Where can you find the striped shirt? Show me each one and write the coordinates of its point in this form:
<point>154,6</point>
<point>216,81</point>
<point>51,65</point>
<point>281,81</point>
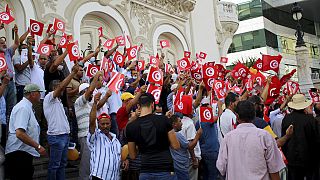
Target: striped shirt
<point>105,155</point>
<point>82,110</point>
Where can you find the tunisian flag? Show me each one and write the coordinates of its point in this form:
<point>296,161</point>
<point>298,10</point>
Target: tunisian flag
<point>258,64</point>
<point>314,96</point>
<point>119,59</point>
<point>271,63</point>
<point>206,114</point>
<point>155,91</point>
<point>73,51</point>
<point>36,27</point>
<point>132,52</point>
<point>3,63</point>
<point>183,64</point>
<point>155,76</point>
<point>116,82</point>
<point>58,25</point>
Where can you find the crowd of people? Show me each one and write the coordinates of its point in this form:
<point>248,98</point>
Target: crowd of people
<point>133,134</point>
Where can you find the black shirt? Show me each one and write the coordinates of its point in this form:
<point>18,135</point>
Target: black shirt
<point>302,149</point>
<point>150,134</point>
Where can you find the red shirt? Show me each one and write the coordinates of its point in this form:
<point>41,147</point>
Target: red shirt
<point>122,118</point>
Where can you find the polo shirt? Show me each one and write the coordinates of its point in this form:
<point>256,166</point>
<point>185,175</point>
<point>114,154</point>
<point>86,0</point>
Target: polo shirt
<point>114,102</point>
<point>22,77</point>
<point>105,155</point>
<point>82,110</point>
<point>55,114</point>
<point>22,117</point>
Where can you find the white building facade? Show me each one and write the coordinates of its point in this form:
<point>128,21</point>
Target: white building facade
<point>189,25</point>
<point>267,27</point>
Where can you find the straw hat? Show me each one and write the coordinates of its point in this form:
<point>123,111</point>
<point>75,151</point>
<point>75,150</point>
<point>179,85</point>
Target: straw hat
<point>299,102</point>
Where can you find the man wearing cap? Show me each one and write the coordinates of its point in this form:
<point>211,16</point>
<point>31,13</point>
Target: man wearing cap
<point>128,102</point>
<point>82,108</point>
<point>23,138</point>
<point>173,89</point>
<point>104,146</point>
<point>302,149</point>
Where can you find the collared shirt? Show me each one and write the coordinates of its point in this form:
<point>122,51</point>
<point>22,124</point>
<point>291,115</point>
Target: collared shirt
<point>114,102</point>
<point>188,130</point>
<point>82,110</point>
<point>22,77</point>
<point>22,117</point>
<point>37,77</point>
<point>8,55</point>
<point>276,118</point>
<point>249,153</point>
<point>55,115</point>
<point>105,155</point>
<point>226,123</point>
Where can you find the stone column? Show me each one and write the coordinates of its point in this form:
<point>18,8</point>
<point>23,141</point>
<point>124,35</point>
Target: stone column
<point>303,69</point>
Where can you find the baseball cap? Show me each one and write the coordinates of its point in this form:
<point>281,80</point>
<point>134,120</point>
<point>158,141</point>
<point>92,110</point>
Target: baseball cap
<point>103,115</point>
<point>32,88</point>
<point>205,100</point>
<point>125,96</point>
<point>83,86</point>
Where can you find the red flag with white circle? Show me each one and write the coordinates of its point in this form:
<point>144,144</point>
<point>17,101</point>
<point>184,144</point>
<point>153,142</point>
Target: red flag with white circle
<point>223,60</point>
<point>44,49</point>
<point>3,63</point>
<point>237,90</point>
<point>164,44</point>
<point>109,43</point>
<point>187,54</point>
<point>58,25</point>
<point>271,63</point>
<point>140,65</point>
<point>206,114</point>
<point>219,88</point>
<point>73,51</point>
<point>116,82</point>
<point>100,34</point>
<point>132,52</point>
<point>209,82</point>
<point>208,70</point>
<point>155,61</point>
<point>155,76</point>
<point>36,27</point>
<point>121,41</point>
<point>92,70</point>
<point>155,91</point>
<point>314,96</point>
<point>6,18</point>
<point>119,59</point>
<point>196,75</point>
<point>258,64</point>
<point>63,41</point>
<point>183,64</point>
<point>240,71</point>
<point>203,55</point>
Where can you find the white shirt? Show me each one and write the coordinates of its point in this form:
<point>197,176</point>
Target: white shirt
<point>105,107</point>
<point>56,117</point>
<point>37,77</point>
<point>114,102</point>
<point>188,130</point>
<point>105,155</point>
<point>226,123</point>
<point>276,118</point>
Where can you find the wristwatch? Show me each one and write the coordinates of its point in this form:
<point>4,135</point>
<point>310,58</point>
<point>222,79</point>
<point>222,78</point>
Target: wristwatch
<point>39,147</point>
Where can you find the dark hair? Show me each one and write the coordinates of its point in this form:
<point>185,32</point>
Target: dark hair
<point>246,111</point>
<point>146,100</point>
<point>231,97</point>
<point>53,84</point>
<point>174,119</point>
<point>316,109</point>
<point>20,46</point>
<point>255,99</point>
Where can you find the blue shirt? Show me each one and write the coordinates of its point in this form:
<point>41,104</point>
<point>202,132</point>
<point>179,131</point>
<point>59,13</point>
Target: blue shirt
<point>181,156</point>
<point>22,117</point>
<point>3,110</point>
<point>209,139</point>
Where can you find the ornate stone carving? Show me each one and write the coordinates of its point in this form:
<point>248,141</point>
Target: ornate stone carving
<point>179,8</point>
<point>142,15</point>
<point>51,4</point>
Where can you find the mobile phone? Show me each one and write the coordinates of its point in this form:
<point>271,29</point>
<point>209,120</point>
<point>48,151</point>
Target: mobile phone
<point>12,33</point>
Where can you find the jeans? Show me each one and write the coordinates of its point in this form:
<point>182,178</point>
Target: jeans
<point>114,125</point>
<point>19,92</point>
<point>58,156</point>
<point>210,171</point>
<point>11,98</point>
<point>157,176</point>
<point>181,175</point>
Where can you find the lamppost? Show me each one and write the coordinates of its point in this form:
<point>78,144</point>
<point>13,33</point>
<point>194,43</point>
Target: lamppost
<point>297,15</point>
<point>302,53</point>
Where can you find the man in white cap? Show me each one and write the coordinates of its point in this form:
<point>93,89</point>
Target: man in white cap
<point>173,89</point>
<point>23,138</point>
<point>302,149</point>
<point>82,108</point>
